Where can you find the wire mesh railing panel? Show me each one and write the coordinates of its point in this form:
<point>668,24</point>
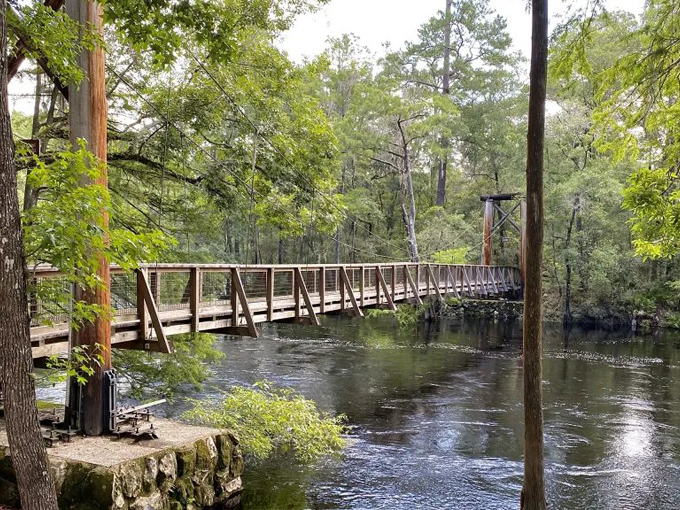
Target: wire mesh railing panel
<point>332,280</point>
<point>174,291</point>
<point>311,279</point>
<point>370,278</point>
<point>400,276</point>
<point>49,301</point>
<point>124,293</point>
<point>283,283</point>
<point>215,288</point>
<point>354,277</point>
<point>254,283</point>
<point>387,274</point>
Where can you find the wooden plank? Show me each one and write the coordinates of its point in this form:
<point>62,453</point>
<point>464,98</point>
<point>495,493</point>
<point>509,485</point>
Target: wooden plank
<point>430,274</point>
<point>302,287</point>
<point>237,284</point>
<point>447,280</point>
<point>195,297</point>
<point>383,284</point>
<point>414,288</point>
<point>352,297</point>
<point>270,294</point>
<point>404,274</point>
<point>164,345</point>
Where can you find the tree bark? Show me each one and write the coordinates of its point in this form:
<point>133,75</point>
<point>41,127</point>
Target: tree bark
<point>446,90</point>
<point>409,211</point>
<point>31,194</point>
<point>533,492</point>
<point>87,116</point>
<point>566,318</point>
<point>29,459</point>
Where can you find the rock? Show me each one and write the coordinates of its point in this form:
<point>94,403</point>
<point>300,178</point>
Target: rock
<point>224,451</point>
<point>99,487</point>
<point>132,479</point>
<point>167,471</point>
<point>59,469</point>
<point>186,461</point>
<point>155,501</point>
<point>204,495</point>
<point>237,463</point>
<point>150,474</point>
<point>225,486</point>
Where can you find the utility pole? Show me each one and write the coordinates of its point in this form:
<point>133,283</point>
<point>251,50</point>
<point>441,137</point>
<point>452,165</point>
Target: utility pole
<point>87,117</point>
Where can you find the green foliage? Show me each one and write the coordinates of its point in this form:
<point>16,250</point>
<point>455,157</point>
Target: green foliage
<point>54,36</point>
<point>452,256</point>
<point>270,420</point>
<point>67,229</point>
<point>405,314</point>
<point>80,365</point>
<point>150,374</point>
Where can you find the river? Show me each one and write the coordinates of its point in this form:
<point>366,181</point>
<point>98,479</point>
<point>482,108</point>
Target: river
<point>437,415</point>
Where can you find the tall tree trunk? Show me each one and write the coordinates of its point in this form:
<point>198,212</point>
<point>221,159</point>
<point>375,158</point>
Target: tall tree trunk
<point>31,194</point>
<point>29,459</point>
<point>533,492</point>
<point>446,90</point>
<point>87,119</point>
<point>408,196</point>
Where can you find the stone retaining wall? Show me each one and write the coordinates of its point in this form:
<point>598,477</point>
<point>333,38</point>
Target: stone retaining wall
<point>194,475</point>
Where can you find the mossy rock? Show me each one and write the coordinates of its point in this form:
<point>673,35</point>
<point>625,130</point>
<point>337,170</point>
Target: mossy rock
<point>186,461</point>
<point>225,449</point>
<point>206,454</point>
<point>182,492</point>
<point>237,464</point>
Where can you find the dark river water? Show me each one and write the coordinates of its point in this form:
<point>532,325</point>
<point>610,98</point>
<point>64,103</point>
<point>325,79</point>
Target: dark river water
<point>438,415</point>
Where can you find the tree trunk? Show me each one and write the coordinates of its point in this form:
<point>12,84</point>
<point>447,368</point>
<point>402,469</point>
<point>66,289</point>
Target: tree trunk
<point>533,492</point>
<point>31,194</point>
<point>87,119</point>
<point>446,90</point>
<point>409,211</point>
<point>566,318</point>
<point>29,459</point>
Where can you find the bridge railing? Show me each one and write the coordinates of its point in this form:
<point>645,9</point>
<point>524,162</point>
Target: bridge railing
<point>157,301</point>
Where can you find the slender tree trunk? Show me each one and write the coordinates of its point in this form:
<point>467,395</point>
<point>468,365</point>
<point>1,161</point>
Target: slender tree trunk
<point>29,459</point>
<point>533,492</point>
<point>31,194</point>
<point>566,318</point>
<point>408,196</point>
<point>446,90</point>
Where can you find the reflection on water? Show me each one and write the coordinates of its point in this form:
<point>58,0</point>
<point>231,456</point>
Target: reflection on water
<point>438,415</point>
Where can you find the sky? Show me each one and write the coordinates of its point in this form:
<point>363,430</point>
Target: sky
<point>395,21</point>
<point>378,21</point>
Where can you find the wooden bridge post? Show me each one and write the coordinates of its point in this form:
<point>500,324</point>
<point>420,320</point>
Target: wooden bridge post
<point>353,300</point>
<point>488,225</point>
<point>362,286</point>
<point>382,283</point>
<point>418,279</point>
<point>394,282</point>
<point>322,290</point>
<point>270,294</point>
<point>296,295</point>
<point>302,289</point>
<point>377,285</point>
<point>195,298</point>
<point>341,283</point>
<point>235,315</point>
<point>405,282</point>
<point>522,240</point>
<point>447,280</point>
<point>430,274</point>
<point>142,312</point>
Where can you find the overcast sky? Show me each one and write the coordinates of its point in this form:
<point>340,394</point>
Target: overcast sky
<point>395,21</point>
<point>376,22</point>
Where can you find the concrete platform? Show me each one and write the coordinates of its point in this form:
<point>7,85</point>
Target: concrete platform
<point>187,467</point>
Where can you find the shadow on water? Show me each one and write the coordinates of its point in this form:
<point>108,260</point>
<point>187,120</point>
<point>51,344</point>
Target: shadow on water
<point>438,415</point>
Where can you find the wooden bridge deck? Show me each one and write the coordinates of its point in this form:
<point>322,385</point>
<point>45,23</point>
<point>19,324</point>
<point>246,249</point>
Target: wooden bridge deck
<point>158,301</point>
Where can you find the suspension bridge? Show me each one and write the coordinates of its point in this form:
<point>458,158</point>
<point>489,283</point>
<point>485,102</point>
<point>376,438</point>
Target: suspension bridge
<point>155,302</point>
